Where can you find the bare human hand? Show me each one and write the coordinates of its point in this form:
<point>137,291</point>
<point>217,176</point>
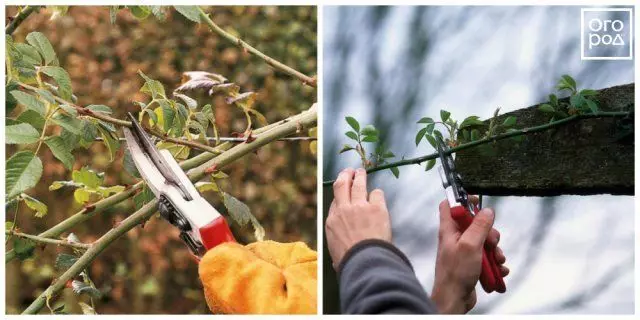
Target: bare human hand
<point>459,259</point>
<point>353,215</point>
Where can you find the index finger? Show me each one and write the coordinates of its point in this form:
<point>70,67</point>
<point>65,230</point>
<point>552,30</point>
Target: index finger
<point>342,187</point>
<point>447,224</point>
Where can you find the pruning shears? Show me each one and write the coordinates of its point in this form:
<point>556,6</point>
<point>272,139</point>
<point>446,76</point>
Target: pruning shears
<point>463,212</point>
<point>201,225</point>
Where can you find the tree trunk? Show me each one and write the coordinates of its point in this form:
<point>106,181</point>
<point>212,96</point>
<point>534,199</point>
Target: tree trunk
<point>591,156</point>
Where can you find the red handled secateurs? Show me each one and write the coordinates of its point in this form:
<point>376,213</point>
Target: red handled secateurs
<point>463,212</point>
<point>201,225</point>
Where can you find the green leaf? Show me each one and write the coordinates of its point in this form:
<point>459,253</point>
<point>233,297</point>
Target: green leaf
<point>588,92</point>
<point>59,184</point>
<point>420,135</point>
<point>140,12</point>
<point>152,87</point>
<point>369,130</point>
<point>346,148</point>
<point>35,204</point>
<point>99,108</point>
<point>438,134</point>
<point>153,117</point>
<point>110,141</point>
<point>69,110</point>
<point>64,261</point>
<point>577,101</point>
<point>509,121</point>
<point>425,120</point>
<point>143,197</point>
<point>30,54</point>
<point>430,128</point>
<point>107,191</point>
<point>73,124</point>
<point>80,287</point>
<point>190,102</point>
<point>241,214</point>
<point>204,186</point>
<point>42,44</point>
<point>471,121</point>
<point>29,101</point>
<point>395,171</point>
<point>62,78</point>
<point>466,135</point>
<point>444,115</point>
<point>190,12</point>
<point>129,165</point>
<point>33,118</point>
<point>82,195</point>
<point>22,133</point>
<point>352,135</point>
<point>60,150</point>
<point>10,101</point>
<point>546,108</point>
<point>592,105</point>
<point>475,135</point>
<point>88,177</point>
<point>24,248</point>
<point>430,164</point>
<point>370,139</point>
<point>569,81</point>
<point>553,99</point>
<point>355,125</point>
<point>431,139</point>
<point>23,171</point>
<point>168,115</point>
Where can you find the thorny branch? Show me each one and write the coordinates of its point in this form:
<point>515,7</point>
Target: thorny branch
<point>245,46</point>
<point>514,133</point>
<point>306,119</point>
<point>65,243</point>
<point>93,209</point>
<point>19,18</point>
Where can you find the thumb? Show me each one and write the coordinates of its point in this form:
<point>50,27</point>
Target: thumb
<point>479,229</point>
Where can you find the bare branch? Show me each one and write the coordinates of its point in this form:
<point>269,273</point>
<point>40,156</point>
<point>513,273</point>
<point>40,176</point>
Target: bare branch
<point>19,18</point>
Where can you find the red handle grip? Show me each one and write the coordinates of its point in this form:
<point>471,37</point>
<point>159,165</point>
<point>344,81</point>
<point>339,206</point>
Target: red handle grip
<point>215,233</point>
<point>490,277</point>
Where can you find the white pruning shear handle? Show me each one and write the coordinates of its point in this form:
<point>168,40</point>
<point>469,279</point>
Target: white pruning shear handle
<point>201,225</point>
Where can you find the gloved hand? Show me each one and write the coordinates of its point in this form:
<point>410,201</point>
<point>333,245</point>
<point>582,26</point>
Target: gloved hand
<point>263,277</point>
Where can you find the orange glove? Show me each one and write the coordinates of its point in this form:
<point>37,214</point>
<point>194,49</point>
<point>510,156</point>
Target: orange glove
<point>263,277</point>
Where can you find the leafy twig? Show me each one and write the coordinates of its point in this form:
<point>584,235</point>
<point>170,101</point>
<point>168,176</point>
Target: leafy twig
<point>19,18</point>
<point>106,118</point>
<point>306,119</point>
<point>65,243</point>
<point>509,134</point>
<point>91,210</point>
<point>245,46</point>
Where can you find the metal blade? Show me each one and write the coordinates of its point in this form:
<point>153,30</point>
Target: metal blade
<point>154,155</point>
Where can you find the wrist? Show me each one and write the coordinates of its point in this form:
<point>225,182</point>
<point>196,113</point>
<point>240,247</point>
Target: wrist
<point>448,299</point>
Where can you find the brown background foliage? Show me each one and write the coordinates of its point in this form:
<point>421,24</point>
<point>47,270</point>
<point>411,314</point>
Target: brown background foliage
<point>149,270</point>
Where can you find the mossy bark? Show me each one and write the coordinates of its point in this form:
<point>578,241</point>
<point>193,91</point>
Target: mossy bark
<point>590,156</point>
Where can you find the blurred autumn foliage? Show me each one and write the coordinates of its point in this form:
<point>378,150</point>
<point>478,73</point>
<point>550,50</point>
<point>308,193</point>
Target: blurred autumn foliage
<point>150,270</point>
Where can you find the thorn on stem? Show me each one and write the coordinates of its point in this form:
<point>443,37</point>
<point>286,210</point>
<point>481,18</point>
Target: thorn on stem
<point>89,208</point>
<point>211,169</point>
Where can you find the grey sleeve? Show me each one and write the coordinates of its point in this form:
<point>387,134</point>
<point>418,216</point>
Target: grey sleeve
<point>377,278</point>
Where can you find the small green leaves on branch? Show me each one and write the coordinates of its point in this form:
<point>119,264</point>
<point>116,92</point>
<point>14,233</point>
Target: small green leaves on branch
<point>88,184</point>
<point>580,102</point>
<point>369,134</point>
